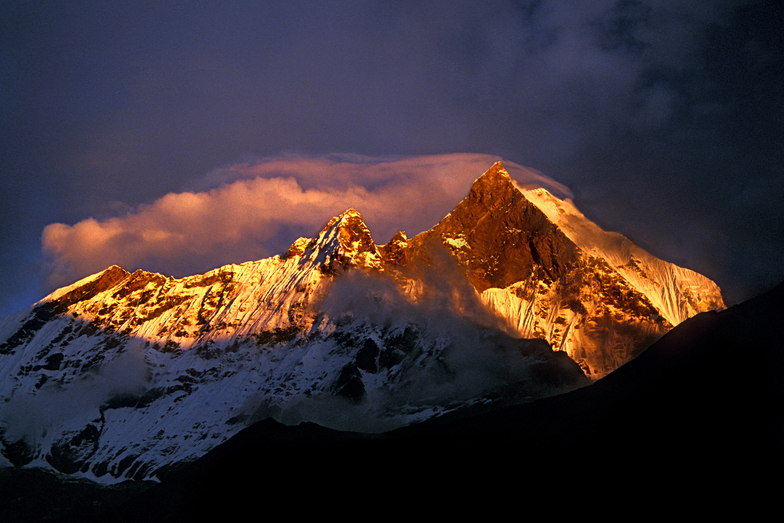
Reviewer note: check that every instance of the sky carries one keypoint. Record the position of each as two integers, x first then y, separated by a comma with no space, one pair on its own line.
179,136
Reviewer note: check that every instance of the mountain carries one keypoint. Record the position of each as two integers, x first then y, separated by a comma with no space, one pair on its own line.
697,416
512,297
555,275
695,423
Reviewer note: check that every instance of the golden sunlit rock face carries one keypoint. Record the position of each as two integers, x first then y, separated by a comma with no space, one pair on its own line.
500,237
532,275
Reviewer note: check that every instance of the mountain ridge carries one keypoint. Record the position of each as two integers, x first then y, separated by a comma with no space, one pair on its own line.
664,423
636,438
483,308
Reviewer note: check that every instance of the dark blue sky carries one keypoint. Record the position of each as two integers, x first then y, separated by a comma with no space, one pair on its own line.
664,118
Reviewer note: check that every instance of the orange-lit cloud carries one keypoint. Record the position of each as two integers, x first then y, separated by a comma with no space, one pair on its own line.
256,209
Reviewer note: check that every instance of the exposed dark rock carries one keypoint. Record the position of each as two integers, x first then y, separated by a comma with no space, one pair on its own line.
367,357
397,346
277,335
19,452
53,361
39,317
69,454
349,384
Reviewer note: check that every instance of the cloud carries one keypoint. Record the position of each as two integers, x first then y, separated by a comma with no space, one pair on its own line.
257,209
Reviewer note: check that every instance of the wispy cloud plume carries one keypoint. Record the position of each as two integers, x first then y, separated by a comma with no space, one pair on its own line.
256,209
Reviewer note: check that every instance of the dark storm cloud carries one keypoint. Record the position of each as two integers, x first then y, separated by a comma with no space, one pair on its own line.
662,116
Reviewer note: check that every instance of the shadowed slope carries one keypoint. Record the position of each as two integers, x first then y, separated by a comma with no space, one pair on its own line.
704,404
696,421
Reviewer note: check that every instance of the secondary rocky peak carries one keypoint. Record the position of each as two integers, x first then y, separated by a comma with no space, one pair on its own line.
399,237
497,170
298,248
345,240
395,251
352,233
88,287
347,216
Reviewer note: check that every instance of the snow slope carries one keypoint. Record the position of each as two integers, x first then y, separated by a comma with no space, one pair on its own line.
676,292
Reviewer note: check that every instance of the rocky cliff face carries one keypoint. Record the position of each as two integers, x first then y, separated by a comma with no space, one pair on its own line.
500,237
121,375
600,303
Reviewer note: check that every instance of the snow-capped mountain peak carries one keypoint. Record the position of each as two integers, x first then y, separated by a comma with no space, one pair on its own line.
555,275
512,296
